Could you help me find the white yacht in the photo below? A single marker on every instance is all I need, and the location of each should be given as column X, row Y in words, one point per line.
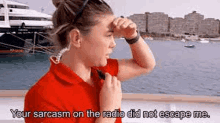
column 192, row 37
column 204, row 40
column 148, row 38
column 183, row 40
column 14, row 14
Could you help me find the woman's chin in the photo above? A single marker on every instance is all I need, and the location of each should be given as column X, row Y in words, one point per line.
column 103, row 63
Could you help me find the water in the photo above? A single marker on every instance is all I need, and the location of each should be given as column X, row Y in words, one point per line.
column 21, row 72
column 179, row 70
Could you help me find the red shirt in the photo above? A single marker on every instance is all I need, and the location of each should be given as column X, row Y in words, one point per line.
column 61, row 92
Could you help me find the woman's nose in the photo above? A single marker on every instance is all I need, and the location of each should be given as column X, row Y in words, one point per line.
column 113, row 44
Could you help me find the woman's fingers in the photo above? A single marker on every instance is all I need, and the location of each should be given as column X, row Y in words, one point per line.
column 123, row 23
column 115, row 22
column 132, row 25
column 119, row 21
column 111, row 81
column 119, row 85
column 126, row 24
column 108, row 79
column 114, row 81
column 124, row 27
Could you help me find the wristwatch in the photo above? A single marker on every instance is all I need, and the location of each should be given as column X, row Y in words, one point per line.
column 133, row 40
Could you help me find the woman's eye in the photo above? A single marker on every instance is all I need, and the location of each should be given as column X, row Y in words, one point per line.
column 110, row 35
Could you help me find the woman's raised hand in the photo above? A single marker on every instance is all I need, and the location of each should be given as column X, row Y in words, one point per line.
column 110, row 95
column 124, row 27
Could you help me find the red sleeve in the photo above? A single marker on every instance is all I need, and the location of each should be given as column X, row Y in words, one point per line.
column 111, row 67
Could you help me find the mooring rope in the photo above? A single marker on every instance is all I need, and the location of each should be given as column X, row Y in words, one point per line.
column 44, row 48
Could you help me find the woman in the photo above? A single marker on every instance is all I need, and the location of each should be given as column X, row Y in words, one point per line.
column 85, row 31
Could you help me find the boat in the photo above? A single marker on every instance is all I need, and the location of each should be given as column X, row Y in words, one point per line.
column 9, row 44
column 148, row 38
column 18, row 15
column 18, row 23
column 191, row 37
column 189, row 46
column 203, row 41
column 156, row 108
column 183, row 40
column 215, row 39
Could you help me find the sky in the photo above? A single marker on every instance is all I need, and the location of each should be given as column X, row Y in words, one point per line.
column 174, row 8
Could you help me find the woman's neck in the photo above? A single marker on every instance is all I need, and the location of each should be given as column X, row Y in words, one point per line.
column 74, row 62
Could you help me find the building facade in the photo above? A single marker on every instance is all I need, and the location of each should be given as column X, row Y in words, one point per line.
column 193, row 20
column 177, row 26
column 209, row 26
column 157, row 22
column 160, row 23
column 140, row 20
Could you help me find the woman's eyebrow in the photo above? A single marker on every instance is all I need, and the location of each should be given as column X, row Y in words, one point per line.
column 111, row 27
column 110, row 30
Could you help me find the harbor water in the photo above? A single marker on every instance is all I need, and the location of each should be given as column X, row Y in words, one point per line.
column 179, row 70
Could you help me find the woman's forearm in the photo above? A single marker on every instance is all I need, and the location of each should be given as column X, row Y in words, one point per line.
column 142, row 54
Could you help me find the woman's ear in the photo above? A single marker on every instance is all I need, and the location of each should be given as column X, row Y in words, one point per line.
column 75, row 38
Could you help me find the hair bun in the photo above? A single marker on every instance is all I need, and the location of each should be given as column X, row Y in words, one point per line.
column 56, row 3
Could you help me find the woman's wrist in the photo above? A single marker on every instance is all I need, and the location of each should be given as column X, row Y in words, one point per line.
column 102, row 119
column 132, row 36
column 105, row 120
column 133, row 39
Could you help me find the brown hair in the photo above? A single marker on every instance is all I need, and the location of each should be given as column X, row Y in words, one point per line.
column 66, row 17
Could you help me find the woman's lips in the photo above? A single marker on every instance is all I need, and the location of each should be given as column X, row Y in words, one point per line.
column 107, row 55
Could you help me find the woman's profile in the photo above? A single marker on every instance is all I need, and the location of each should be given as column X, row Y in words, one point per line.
column 82, row 76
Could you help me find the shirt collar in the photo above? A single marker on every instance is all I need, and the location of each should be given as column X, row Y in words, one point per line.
column 66, row 75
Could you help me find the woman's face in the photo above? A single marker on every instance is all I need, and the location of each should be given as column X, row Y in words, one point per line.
column 99, row 43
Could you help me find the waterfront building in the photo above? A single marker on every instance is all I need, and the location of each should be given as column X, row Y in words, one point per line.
column 193, row 20
column 158, row 22
column 209, row 26
column 192, row 23
column 140, row 20
column 147, row 14
column 177, row 25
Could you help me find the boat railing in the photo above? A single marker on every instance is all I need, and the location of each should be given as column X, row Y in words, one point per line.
column 32, row 46
column 43, row 47
column 147, row 103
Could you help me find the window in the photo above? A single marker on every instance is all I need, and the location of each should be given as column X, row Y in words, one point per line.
column 29, row 18
column 18, row 6
column 1, row 6
column 2, row 18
